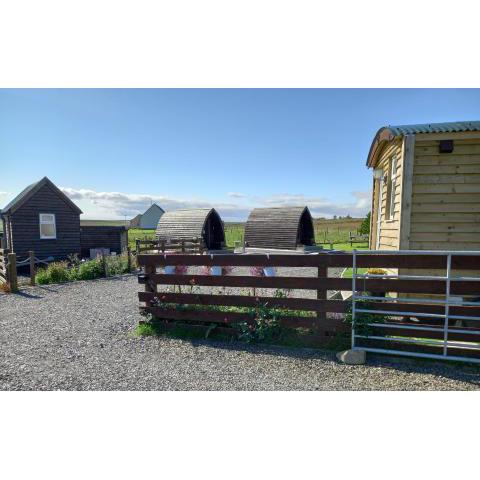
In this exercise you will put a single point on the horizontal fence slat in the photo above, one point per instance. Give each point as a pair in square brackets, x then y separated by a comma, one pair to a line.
[229, 318]
[317, 283]
[309, 304]
[467, 262]
[235, 260]
[305, 283]
[197, 315]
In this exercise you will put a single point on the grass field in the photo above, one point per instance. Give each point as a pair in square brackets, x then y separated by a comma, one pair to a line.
[111, 223]
[335, 232]
[134, 233]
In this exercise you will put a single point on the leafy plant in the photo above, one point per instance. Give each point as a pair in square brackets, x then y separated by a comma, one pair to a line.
[363, 320]
[365, 225]
[55, 272]
[74, 269]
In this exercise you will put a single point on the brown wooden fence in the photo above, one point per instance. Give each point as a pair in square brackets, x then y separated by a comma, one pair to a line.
[165, 304]
[190, 245]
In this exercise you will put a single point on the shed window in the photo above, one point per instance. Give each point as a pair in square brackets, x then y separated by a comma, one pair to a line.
[391, 187]
[47, 226]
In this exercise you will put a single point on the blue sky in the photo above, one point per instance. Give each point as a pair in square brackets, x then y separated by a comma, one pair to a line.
[114, 151]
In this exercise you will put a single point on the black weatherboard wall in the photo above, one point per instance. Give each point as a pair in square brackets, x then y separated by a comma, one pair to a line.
[112, 237]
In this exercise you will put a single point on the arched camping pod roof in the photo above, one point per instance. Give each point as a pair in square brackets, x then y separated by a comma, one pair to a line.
[202, 223]
[282, 227]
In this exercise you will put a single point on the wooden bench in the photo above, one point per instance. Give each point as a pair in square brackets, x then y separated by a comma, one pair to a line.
[354, 237]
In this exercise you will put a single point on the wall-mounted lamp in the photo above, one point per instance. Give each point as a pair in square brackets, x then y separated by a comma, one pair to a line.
[377, 173]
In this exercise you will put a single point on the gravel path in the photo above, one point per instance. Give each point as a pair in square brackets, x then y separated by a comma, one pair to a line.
[78, 337]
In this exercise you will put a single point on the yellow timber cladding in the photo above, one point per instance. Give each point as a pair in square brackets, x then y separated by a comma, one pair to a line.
[385, 231]
[445, 212]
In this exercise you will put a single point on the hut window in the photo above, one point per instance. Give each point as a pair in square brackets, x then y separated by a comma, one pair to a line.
[48, 229]
[391, 187]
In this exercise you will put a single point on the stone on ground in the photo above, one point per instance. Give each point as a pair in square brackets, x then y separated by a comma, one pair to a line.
[352, 357]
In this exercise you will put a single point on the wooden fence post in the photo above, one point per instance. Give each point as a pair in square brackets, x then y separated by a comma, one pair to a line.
[137, 246]
[149, 286]
[12, 272]
[31, 254]
[129, 259]
[322, 272]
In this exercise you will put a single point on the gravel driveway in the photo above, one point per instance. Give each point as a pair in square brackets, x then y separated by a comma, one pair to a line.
[78, 337]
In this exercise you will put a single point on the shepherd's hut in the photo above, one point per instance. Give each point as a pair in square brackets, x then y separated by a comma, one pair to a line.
[426, 187]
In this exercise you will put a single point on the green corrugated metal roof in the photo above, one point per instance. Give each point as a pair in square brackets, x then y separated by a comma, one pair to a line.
[444, 127]
[386, 134]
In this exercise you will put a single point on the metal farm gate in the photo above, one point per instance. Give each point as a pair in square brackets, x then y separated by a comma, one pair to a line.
[438, 328]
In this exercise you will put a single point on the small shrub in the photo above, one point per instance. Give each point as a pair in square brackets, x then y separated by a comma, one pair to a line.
[56, 272]
[146, 329]
[88, 270]
[117, 264]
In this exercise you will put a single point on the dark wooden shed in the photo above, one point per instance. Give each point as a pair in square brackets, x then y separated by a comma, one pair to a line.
[281, 228]
[204, 223]
[43, 219]
[109, 237]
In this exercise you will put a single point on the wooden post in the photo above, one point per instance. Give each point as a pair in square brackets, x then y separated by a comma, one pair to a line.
[31, 254]
[149, 286]
[137, 246]
[12, 272]
[322, 272]
[129, 259]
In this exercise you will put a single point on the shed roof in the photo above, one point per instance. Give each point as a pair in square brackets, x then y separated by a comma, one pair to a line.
[279, 227]
[29, 191]
[154, 206]
[388, 133]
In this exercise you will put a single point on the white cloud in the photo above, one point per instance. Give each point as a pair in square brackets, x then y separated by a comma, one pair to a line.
[236, 195]
[118, 205]
[320, 206]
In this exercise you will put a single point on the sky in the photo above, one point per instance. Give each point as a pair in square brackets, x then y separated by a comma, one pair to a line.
[115, 151]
